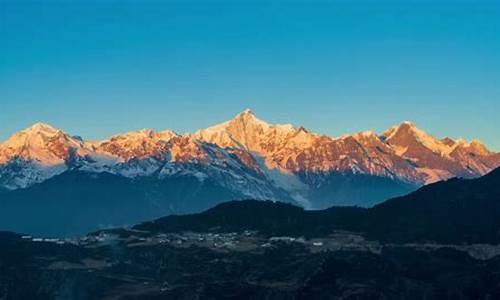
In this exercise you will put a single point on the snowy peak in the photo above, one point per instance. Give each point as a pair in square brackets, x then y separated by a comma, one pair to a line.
[140, 144]
[246, 111]
[247, 117]
[41, 128]
[144, 134]
[42, 143]
[166, 135]
[367, 136]
[448, 142]
[38, 132]
[36, 154]
[245, 122]
[405, 128]
[245, 131]
[438, 159]
[478, 148]
[407, 138]
[473, 147]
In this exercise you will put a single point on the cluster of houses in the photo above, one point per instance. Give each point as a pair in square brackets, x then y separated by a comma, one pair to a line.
[229, 240]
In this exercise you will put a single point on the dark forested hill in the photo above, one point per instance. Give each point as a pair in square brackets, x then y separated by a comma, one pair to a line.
[453, 211]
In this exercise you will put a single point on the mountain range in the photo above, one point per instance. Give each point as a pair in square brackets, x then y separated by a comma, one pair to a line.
[439, 242]
[157, 173]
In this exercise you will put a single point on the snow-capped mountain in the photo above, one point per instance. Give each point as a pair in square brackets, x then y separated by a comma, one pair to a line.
[252, 158]
[437, 159]
[38, 153]
[403, 152]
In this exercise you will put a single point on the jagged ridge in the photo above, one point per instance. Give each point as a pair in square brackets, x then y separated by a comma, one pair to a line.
[257, 159]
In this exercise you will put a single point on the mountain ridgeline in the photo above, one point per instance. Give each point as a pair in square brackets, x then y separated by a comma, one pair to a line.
[455, 211]
[79, 202]
[430, 244]
[55, 178]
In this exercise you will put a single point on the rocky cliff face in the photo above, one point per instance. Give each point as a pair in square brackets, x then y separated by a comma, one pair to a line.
[255, 159]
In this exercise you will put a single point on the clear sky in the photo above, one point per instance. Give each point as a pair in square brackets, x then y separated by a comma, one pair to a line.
[101, 68]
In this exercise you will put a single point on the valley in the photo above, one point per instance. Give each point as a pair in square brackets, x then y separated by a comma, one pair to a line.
[255, 249]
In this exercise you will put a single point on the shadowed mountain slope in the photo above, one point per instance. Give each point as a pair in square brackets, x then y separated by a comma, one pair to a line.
[453, 211]
[78, 202]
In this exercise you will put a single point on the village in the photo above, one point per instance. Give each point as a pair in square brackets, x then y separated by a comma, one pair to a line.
[249, 240]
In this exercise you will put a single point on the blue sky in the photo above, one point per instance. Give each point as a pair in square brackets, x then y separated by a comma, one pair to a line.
[100, 68]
